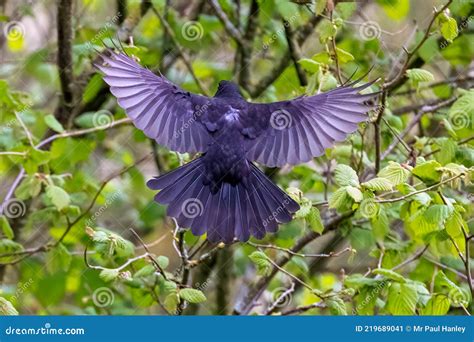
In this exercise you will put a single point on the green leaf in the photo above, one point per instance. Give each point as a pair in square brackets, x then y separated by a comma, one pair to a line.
[145, 271]
[369, 208]
[58, 259]
[54, 124]
[380, 225]
[58, 197]
[344, 56]
[192, 295]
[163, 261]
[438, 305]
[6, 228]
[7, 308]
[402, 299]
[389, 274]
[345, 175]
[8, 247]
[260, 260]
[378, 184]
[461, 113]
[395, 173]
[314, 220]
[336, 306]
[309, 65]
[395, 9]
[355, 193]
[419, 75]
[339, 199]
[449, 29]
[109, 274]
[428, 171]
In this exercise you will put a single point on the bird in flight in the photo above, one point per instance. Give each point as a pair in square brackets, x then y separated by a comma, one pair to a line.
[222, 192]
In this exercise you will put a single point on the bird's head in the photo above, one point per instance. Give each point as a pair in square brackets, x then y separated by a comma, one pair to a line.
[228, 89]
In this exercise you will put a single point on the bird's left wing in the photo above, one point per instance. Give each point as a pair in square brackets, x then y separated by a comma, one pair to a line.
[293, 132]
[162, 110]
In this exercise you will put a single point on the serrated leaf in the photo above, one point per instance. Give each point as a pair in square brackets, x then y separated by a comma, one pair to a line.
[428, 171]
[389, 274]
[109, 274]
[54, 124]
[449, 29]
[309, 65]
[58, 197]
[192, 295]
[402, 299]
[378, 184]
[355, 193]
[419, 75]
[336, 306]
[438, 305]
[8, 247]
[7, 308]
[260, 260]
[145, 271]
[368, 208]
[339, 199]
[163, 261]
[6, 228]
[395, 173]
[344, 175]
[314, 220]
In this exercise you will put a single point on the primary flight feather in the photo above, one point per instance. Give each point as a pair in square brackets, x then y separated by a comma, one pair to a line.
[222, 193]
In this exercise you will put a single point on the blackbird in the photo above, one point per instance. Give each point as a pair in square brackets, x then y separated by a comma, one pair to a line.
[222, 192]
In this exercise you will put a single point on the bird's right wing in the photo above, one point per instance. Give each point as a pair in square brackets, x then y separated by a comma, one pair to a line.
[162, 110]
[293, 132]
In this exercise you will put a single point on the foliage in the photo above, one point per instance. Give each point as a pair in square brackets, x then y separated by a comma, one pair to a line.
[82, 235]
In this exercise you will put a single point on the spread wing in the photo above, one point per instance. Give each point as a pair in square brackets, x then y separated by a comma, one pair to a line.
[162, 110]
[293, 132]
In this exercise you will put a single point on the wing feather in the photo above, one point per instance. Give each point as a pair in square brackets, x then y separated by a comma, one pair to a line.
[162, 110]
[311, 124]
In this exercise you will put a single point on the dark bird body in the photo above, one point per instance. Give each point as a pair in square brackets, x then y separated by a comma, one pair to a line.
[222, 193]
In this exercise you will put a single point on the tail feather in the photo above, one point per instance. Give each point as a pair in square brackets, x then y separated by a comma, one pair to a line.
[253, 207]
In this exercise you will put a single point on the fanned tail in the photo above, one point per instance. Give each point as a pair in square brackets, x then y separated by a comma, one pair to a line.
[252, 207]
